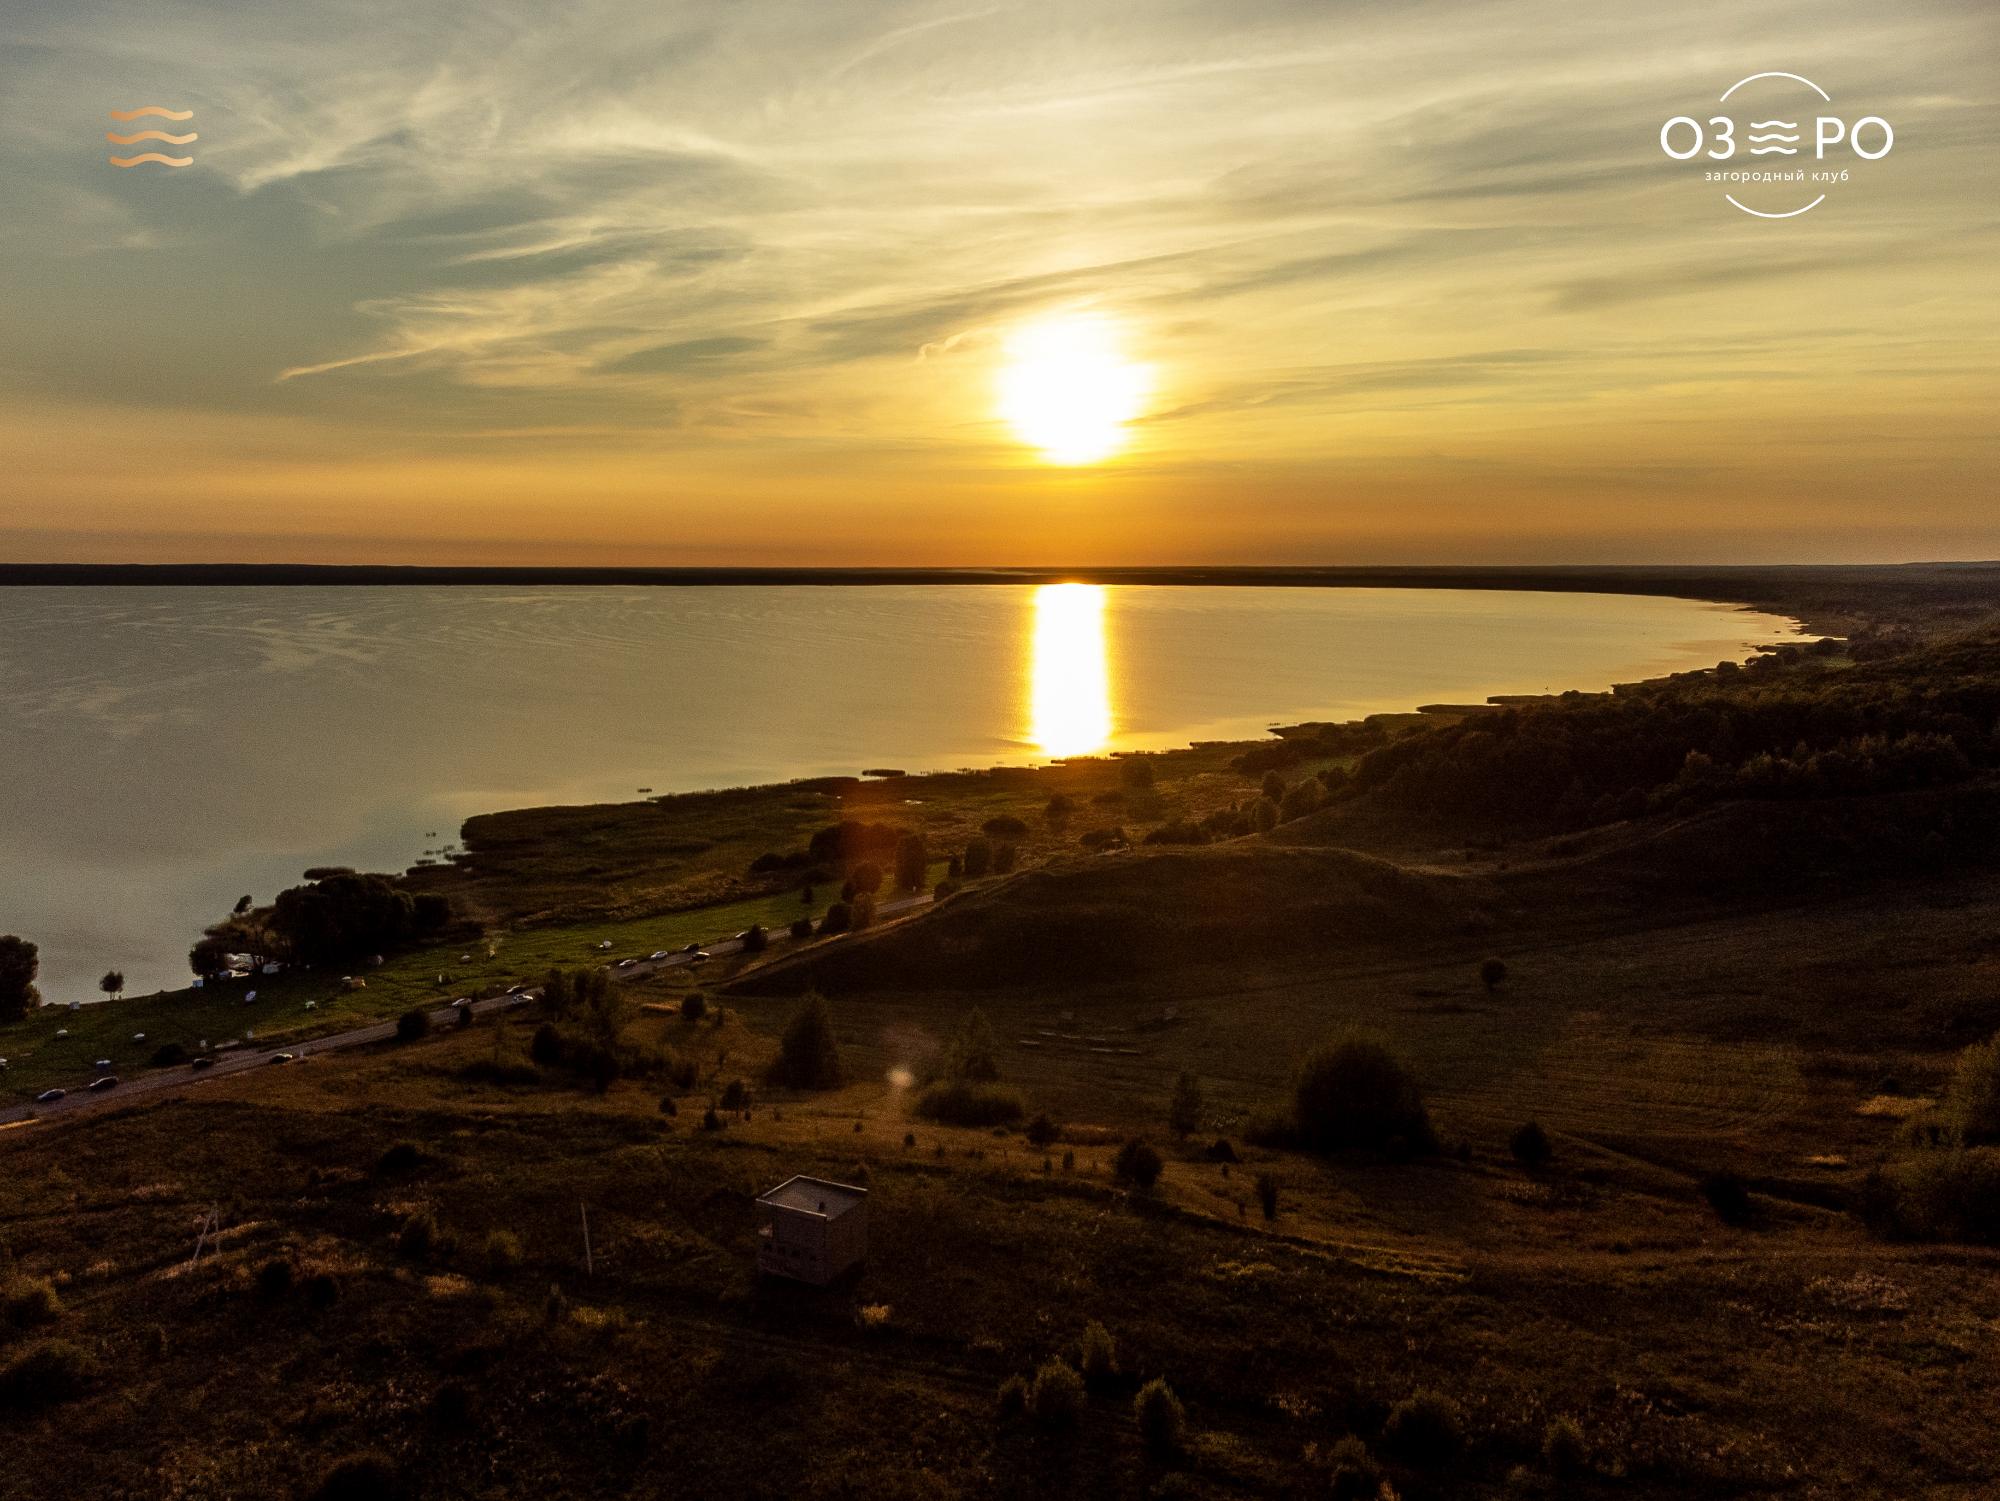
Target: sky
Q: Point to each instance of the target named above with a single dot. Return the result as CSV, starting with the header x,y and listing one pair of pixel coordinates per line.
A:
x,y
715,281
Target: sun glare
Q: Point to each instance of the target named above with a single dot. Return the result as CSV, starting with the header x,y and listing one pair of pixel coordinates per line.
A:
x,y
1067,389
1071,710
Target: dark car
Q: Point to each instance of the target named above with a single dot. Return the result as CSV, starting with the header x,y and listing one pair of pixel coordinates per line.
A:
x,y
109,1081
281,1058
202,1063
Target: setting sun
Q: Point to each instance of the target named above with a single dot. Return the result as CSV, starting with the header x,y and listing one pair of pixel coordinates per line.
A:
x,y
1068,389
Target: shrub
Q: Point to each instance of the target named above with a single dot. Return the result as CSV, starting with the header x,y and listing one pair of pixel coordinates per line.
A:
x,y
1004,826
710,1121
418,1237
1056,1397
978,859
1564,1453
399,1157
322,1292
808,1053
1493,973
964,1102
1005,857
1097,1355
1220,1150
274,1279
1184,1111
1352,1472
1267,1195
839,918
1950,1196
912,862
367,1475
1530,1146
547,1046
735,1096
1972,1103
802,927
168,1054
667,1105
451,1405
1041,1131
31,1302
502,1253
1161,1418
412,1024
1425,1429
1355,1092
755,939
1137,1164
866,878
1013,1398
1728,1195
47,1372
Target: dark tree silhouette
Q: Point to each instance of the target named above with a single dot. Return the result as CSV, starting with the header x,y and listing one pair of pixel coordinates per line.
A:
x,y
20,962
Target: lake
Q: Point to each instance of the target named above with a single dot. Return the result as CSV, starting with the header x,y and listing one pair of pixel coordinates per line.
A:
x,y
168,750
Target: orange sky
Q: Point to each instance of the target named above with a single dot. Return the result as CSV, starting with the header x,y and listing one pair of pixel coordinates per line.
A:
x,y
703,282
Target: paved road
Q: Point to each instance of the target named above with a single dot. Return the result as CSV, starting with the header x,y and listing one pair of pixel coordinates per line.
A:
x,y
243,1059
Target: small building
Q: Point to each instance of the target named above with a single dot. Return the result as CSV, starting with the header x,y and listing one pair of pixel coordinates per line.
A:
x,y
812,1230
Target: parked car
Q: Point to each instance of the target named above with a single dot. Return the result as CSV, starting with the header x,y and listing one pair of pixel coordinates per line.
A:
x,y
606,944
102,1063
699,956
692,948
109,1081
50,1096
627,963
201,1063
281,1058
659,954
461,1003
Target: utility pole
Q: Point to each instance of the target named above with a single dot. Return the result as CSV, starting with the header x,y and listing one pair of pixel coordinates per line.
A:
x,y
588,1268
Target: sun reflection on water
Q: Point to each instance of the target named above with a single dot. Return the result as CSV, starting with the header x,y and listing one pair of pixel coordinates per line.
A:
x,y
1070,707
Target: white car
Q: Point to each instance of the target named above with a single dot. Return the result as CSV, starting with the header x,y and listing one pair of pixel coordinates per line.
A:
x,y
138,1036
659,954
50,1096
462,1002
61,1032
605,945
627,963
102,1063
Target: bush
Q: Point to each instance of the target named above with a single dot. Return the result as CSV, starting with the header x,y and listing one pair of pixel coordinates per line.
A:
x,y
1161,1418
47,1372
367,1475
1267,1195
755,939
1564,1453
412,1024
1220,1150
1013,1398
694,1006
418,1237
1972,1103
735,1096
1728,1195
451,1405
913,862
1097,1355
1004,826
978,859
710,1121
168,1054
31,1302
1136,1164
808,1053
322,1292
802,927
1352,1472
1530,1146
1056,1397
1425,1429
1948,1196
1041,1131
274,1279
1493,973
502,1253
965,1102
1356,1093
399,1157
839,918
1184,1110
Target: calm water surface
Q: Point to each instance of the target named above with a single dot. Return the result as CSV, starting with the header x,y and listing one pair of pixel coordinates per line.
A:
x,y
167,750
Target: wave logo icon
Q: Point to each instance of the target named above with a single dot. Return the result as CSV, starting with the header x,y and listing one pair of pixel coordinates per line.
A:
x,y
145,111
1774,132
1867,139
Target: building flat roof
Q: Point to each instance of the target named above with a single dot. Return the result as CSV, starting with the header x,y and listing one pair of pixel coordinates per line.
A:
x,y
814,1196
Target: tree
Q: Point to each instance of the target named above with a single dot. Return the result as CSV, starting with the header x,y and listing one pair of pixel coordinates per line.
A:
x,y
209,956
1136,772
1137,1164
912,862
1273,787
1004,856
412,1024
1355,1092
20,962
1972,1104
113,983
1264,815
1493,973
978,858
1530,1146
808,1053
1184,1113
1161,1418
242,905
866,879
973,1050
